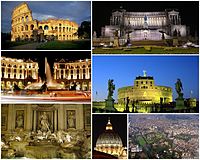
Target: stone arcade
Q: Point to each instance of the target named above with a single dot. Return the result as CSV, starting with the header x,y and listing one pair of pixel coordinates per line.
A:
x,y
24,27
46,131
145,25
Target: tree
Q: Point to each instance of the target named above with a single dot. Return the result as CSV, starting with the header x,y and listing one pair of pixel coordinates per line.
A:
x,y
84,31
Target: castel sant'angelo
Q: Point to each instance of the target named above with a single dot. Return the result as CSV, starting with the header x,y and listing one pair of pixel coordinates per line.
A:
x,y
24,27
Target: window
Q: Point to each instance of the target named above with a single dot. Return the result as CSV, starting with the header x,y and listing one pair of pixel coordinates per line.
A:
x,y
26,27
32,27
46,27
26,18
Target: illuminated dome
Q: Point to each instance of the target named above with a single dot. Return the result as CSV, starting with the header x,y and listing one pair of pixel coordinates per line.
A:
x,y
109,137
109,142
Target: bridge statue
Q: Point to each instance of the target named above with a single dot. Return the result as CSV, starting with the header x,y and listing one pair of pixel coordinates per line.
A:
x,y
109,102
179,88
111,88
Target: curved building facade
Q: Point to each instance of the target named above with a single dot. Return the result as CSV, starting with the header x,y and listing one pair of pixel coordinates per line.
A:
x,y
109,142
144,91
24,27
70,72
17,71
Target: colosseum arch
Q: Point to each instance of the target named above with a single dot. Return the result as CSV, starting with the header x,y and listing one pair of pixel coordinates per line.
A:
x,y
26,18
46,27
26,27
31,27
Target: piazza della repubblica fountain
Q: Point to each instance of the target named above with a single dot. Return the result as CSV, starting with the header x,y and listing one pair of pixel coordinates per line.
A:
x,y
50,90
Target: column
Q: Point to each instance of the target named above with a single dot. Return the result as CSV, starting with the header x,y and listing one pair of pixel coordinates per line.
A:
x,y
59,73
55,73
10,117
64,74
55,120
61,119
29,120
34,120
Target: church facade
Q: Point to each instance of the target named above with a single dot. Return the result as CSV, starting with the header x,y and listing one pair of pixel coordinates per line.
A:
x,y
24,27
145,25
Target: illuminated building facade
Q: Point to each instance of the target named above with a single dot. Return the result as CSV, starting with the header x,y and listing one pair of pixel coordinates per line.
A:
x,y
46,131
109,142
17,71
145,25
24,27
144,91
78,72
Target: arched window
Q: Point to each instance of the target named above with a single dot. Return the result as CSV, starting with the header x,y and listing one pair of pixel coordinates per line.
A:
x,y
56,28
22,28
46,27
63,29
26,27
26,18
32,27
40,27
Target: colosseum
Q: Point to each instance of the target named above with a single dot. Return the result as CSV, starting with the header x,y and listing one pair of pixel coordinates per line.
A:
x,y
24,27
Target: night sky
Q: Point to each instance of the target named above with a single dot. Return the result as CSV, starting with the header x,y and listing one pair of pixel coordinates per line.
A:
x,y
189,11
73,10
52,56
164,69
118,121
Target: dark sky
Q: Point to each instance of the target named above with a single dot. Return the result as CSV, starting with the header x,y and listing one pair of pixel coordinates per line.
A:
x,y
51,57
119,123
189,11
73,10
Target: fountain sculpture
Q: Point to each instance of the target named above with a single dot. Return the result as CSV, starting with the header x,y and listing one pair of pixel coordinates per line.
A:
x,y
51,85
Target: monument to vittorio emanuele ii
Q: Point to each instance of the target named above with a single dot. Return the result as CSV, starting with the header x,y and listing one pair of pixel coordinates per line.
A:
x,y
24,27
145,25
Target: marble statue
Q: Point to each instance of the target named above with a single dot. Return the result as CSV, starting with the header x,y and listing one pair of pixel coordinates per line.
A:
x,y
20,121
44,122
71,120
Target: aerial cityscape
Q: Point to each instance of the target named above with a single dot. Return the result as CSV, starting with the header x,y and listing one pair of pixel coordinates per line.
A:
x,y
164,136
